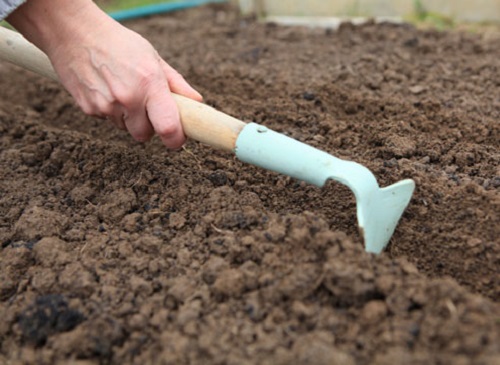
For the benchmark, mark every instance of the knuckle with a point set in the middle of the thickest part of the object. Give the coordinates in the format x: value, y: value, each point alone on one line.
x: 125, y: 96
x: 146, y: 79
x: 148, y: 72
x: 167, y: 130
x: 97, y: 106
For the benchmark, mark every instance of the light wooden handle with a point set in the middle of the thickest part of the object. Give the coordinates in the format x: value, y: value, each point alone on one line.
x: 200, y: 121
x: 16, y: 49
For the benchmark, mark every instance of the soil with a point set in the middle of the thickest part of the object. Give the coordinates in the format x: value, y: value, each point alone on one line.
x: 115, y: 252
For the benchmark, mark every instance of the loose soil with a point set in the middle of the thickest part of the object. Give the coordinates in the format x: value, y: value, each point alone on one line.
x: 117, y: 252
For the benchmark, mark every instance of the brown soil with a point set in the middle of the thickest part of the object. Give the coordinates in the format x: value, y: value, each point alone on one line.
x: 117, y: 252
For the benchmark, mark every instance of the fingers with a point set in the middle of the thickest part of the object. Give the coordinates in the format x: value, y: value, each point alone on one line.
x: 164, y: 115
x: 138, y: 125
x: 142, y: 113
x: 178, y: 85
x: 139, y: 102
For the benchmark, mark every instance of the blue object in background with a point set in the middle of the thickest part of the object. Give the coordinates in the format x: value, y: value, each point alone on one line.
x: 160, y: 8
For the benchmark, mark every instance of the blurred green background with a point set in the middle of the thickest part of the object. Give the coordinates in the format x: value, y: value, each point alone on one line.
x: 112, y: 5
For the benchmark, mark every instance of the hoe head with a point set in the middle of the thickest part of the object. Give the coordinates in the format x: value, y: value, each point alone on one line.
x: 379, y: 214
x: 378, y: 209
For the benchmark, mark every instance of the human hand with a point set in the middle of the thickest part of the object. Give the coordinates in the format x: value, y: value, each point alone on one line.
x: 117, y: 74
x: 114, y: 73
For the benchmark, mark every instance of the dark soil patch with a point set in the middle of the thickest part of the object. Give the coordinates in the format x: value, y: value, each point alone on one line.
x: 116, y: 252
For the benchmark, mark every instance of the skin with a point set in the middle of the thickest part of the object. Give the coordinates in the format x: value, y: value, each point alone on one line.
x: 111, y: 71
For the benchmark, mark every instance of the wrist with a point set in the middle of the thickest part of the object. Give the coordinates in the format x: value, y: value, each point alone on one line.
x: 50, y: 23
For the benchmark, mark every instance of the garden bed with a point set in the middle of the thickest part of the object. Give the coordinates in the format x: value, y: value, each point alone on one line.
x: 118, y: 252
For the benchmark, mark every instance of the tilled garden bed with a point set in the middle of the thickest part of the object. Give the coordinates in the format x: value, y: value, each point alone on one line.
x: 118, y: 252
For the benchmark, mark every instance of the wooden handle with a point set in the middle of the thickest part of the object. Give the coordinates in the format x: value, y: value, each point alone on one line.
x: 200, y: 121
x: 14, y: 48
x: 207, y: 125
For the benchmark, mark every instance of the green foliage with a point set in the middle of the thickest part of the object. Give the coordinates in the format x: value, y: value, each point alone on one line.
x: 419, y: 10
x: 421, y: 16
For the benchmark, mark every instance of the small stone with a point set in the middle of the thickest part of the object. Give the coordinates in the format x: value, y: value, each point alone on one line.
x: 417, y: 89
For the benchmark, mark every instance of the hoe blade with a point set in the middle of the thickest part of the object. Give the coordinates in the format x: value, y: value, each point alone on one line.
x: 379, y: 215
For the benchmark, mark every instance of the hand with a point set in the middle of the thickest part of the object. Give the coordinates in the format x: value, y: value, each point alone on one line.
x: 116, y: 73
x: 111, y: 71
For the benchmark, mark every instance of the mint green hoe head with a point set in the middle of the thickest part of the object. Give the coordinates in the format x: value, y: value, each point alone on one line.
x: 378, y: 209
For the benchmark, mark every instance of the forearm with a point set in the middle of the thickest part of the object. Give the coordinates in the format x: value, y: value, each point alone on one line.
x: 48, y: 23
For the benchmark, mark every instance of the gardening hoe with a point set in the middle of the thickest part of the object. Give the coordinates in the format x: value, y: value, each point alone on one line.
x: 378, y: 209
